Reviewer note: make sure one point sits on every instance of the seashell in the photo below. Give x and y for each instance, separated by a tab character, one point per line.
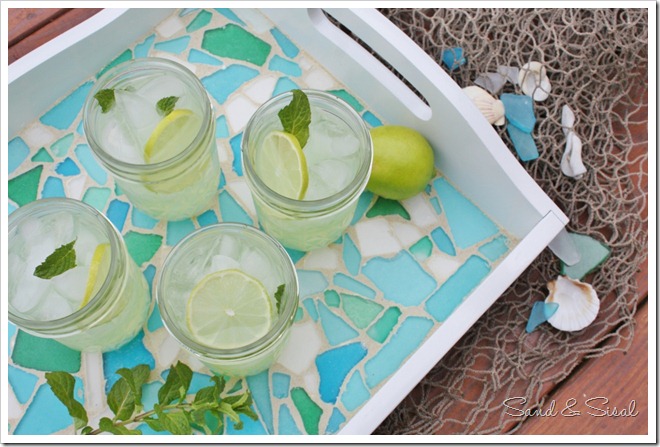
578	304
534	81
571	162
491	108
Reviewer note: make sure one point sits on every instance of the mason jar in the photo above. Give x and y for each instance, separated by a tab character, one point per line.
88	295
338	157
229	293
150	123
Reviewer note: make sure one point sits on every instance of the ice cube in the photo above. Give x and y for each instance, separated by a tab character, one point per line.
138	113
257	265
29	293
221	262
328	178
229	247
55	306
72	284
61	225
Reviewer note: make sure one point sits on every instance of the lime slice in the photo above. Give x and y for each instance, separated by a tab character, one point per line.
280	163
171	135
229	309
98	270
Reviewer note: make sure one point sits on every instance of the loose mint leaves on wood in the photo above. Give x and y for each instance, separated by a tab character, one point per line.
172	413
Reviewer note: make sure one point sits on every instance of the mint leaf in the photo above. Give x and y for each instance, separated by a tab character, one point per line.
176	422
166	105
105	424
105	98
176	385
297	116
278	297
135	378
58	262
121	400
62	384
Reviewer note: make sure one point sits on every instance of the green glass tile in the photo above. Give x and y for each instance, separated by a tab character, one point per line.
360	311
42	155
61	147
382	328
44	354
592	254
309	411
23	188
343	94
422	248
142	247
331	298
299	314
123	57
97	197
387	207
237	43
201	20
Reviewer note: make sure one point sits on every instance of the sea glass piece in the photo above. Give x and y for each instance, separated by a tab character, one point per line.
453	58
592	254
523	143
519	111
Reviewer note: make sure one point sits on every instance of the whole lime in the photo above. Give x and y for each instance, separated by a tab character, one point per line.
403	162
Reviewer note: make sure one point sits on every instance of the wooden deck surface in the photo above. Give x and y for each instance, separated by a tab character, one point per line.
619	377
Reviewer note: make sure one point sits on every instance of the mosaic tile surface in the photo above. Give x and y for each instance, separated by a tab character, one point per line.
367	301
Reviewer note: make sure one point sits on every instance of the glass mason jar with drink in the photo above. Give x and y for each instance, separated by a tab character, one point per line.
307	158
228	293
71	277
150	123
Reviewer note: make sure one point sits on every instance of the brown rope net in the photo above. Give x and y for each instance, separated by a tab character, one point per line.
597	61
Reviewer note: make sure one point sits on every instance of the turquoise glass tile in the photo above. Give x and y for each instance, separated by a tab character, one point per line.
285	66
260	390
226	81
155	321
41	155
381	329
360	311
23	189
333	367
177	230
401	278
468	224
123	57
541	312
388	207
44	354
331	298
288	48
142	49
80	128
422	249
117	212
343	94
61	147
336	419
456	288
17	152
235	144
287	425
442	241
299	315
231	211
95	171
207	218
453	58
11	208
296	255
67	167
53	187
523	143
221	129
311	282
230	15
97	197
311	308
495	249
174	46
364	202
142	220
142	247
11	331
284	85
407	338
22	382
131	354
281	383
309	411
149	274
356	392
435	203
371	119
200	21
200	57
519	111
250	427
235	42
351	255
353	285
44	402
62	115
223	181
336	330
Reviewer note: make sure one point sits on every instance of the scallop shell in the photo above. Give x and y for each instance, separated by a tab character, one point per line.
534	81
491	108
578	304
571	162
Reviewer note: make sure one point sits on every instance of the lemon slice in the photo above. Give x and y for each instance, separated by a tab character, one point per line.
171	135
280	163
98	270
229	309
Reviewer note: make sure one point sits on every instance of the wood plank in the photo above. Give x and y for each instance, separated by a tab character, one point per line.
25	21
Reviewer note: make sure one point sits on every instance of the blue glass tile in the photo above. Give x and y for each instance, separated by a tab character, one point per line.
155	321
62	115
311	308
96	197
336	419
207	218
175	46
352	100
200	21
226	81
296	255
284	85
222	182
353	285
282	65
494	249
453	58
288	47
11	331
230	15
117	212
231	211
436	205
142	220
287	425
17	153
371	119
519	111
334	365
311	283
250	427
541	312
523	143
150	394
177	230
337	331
364	202
281	383
410	335
456	288
45	402
352	257
61	147
260	391
468	223
11	208
21	382
443	241
356	392
221	129
131	354
142	49
53	187
235	144
199	57
67	167
401	278
85	157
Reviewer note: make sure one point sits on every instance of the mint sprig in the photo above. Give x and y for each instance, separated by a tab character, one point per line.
297	116
105	98
278	296
173	412
166	105
58	262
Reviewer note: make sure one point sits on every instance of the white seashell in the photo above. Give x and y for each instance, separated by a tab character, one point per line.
578	304
491	108
567	119
571	162
534	81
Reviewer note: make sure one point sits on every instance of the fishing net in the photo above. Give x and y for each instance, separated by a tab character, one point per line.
597	61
